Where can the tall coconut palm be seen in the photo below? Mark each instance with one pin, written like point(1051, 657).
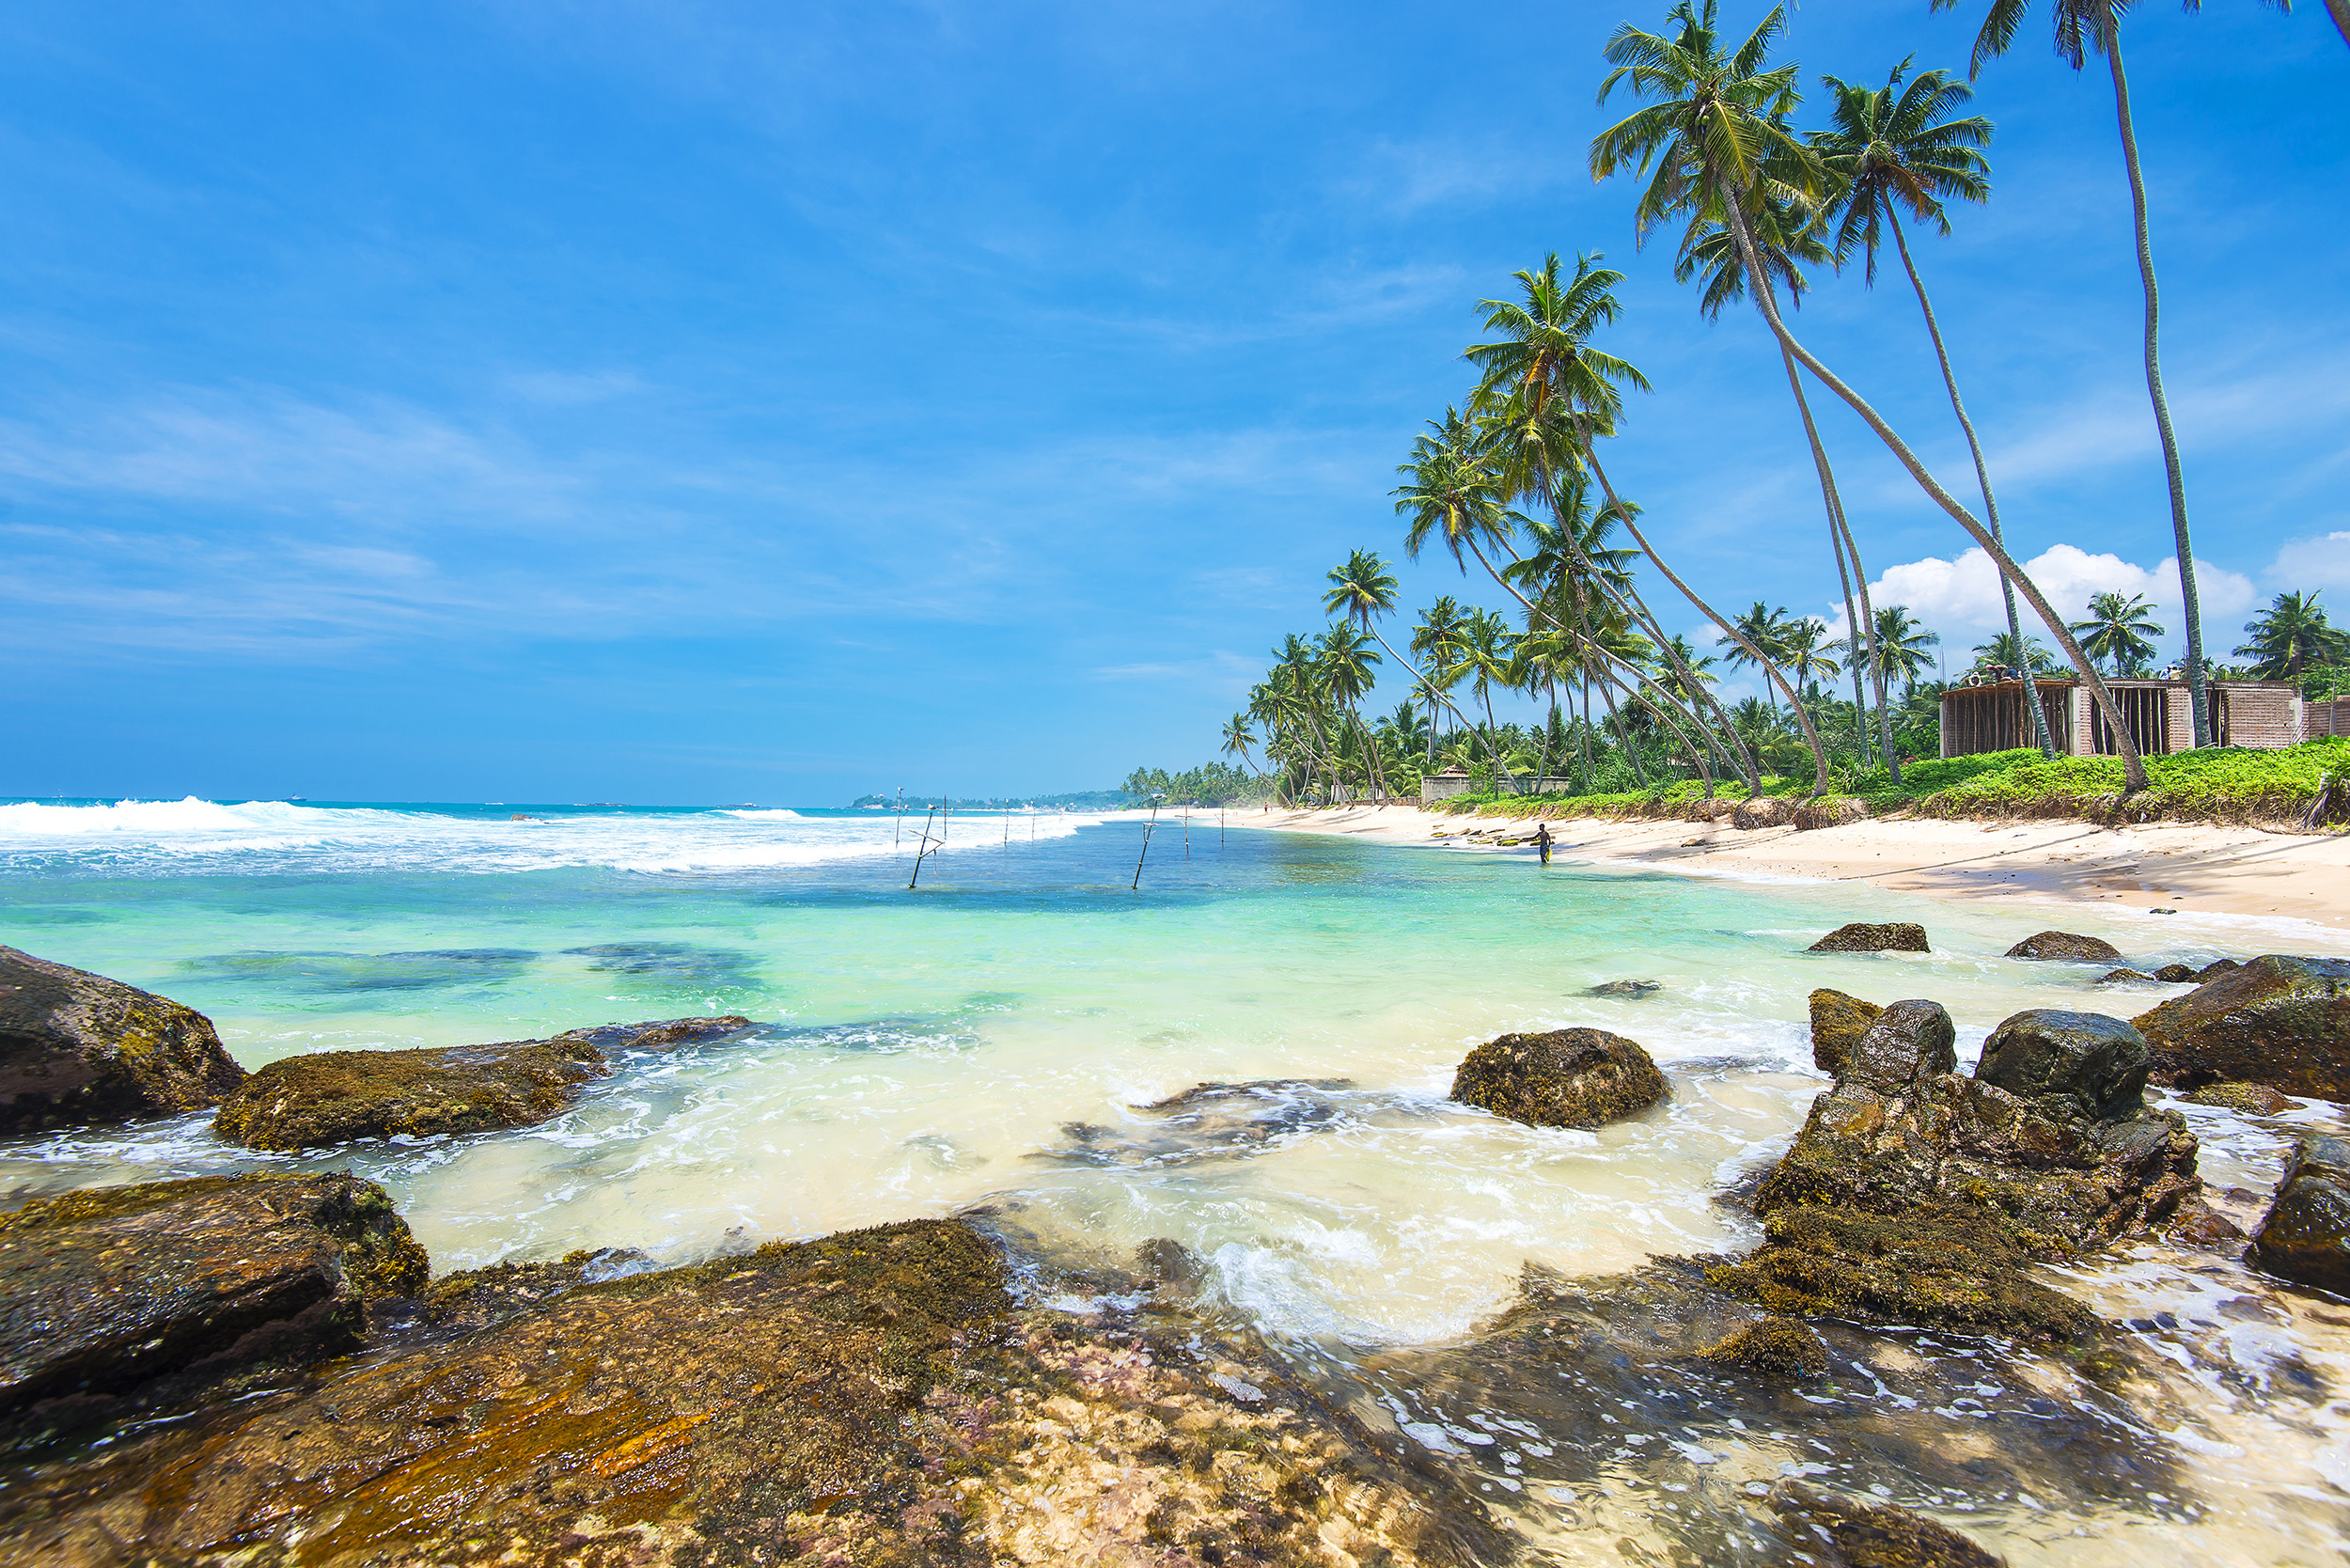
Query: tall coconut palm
point(1238, 738)
point(1805, 656)
point(2081, 28)
point(2121, 627)
point(1715, 133)
point(2008, 652)
point(1346, 660)
point(1541, 362)
point(2289, 636)
point(1902, 643)
point(1892, 147)
point(1362, 589)
point(1441, 638)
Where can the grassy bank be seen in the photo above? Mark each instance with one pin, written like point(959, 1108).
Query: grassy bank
point(2225, 784)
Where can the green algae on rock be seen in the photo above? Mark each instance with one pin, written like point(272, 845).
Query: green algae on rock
point(1837, 1022)
point(1781, 1348)
point(1848, 1532)
point(2249, 1099)
point(106, 1290)
point(77, 1048)
point(1565, 1078)
point(2279, 1020)
point(2065, 946)
point(2305, 1234)
point(1898, 936)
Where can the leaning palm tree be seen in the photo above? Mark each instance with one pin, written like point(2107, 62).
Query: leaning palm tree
point(1238, 738)
point(1715, 133)
point(2289, 636)
point(2083, 27)
point(1902, 643)
point(1804, 655)
point(1893, 148)
point(1362, 589)
point(2121, 627)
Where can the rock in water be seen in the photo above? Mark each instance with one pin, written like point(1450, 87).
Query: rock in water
point(336, 1096)
point(2128, 977)
point(2063, 946)
point(2100, 1062)
point(1901, 1129)
point(1566, 1079)
point(2251, 1099)
point(2179, 974)
point(2277, 1020)
point(2306, 1235)
point(2212, 970)
point(1625, 988)
point(106, 1289)
point(1777, 1348)
point(77, 1048)
point(1846, 1533)
point(1900, 936)
point(1837, 1022)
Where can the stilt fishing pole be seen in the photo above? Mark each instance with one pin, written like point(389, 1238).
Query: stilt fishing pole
point(897, 825)
point(1148, 829)
point(1186, 832)
point(925, 851)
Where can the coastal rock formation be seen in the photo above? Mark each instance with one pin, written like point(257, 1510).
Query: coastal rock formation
point(332, 1097)
point(1829, 811)
point(2251, 1099)
point(1837, 1022)
point(77, 1048)
point(1847, 1532)
point(1625, 988)
point(873, 1398)
point(2128, 977)
point(2280, 1021)
point(2065, 946)
point(104, 1289)
point(1780, 1349)
point(1899, 936)
point(2305, 1235)
point(2175, 974)
point(1565, 1078)
point(2051, 1132)
point(1763, 811)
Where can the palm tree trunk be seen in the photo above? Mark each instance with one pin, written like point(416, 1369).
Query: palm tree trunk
point(1770, 670)
point(1834, 505)
point(1982, 470)
point(1876, 665)
point(2132, 765)
point(2191, 601)
point(2340, 10)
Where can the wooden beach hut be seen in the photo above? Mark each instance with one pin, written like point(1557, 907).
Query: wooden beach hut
point(1992, 715)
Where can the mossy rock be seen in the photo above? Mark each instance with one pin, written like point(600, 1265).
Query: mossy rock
point(1837, 1022)
point(2304, 1235)
point(2279, 1020)
point(331, 1097)
point(77, 1048)
point(1778, 1349)
point(1848, 1532)
point(1896, 936)
point(1565, 1078)
point(2247, 1099)
point(1941, 1265)
point(2065, 946)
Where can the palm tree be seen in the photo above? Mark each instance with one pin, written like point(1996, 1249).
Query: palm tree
point(2005, 649)
point(1805, 655)
point(1362, 589)
point(1238, 739)
point(2289, 636)
point(1901, 644)
point(1891, 148)
point(2083, 27)
point(2118, 628)
point(1346, 660)
point(1758, 635)
point(1715, 133)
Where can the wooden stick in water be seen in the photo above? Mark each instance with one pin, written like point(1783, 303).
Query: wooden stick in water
point(1148, 829)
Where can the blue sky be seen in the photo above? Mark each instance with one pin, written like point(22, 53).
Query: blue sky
point(692, 402)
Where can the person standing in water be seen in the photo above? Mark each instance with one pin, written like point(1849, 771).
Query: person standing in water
point(1541, 841)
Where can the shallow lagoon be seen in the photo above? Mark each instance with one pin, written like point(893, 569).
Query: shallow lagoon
point(994, 1037)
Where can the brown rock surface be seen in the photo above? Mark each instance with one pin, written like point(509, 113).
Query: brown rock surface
point(1837, 1022)
point(1900, 936)
point(2250, 1099)
point(2065, 946)
point(2305, 1234)
point(77, 1048)
point(1848, 1532)
point(1565, 1078)
point(2279, 1020)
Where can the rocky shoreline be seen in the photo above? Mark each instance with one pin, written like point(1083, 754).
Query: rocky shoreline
point(260, 1370)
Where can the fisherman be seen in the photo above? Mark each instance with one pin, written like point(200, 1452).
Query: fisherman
point(1541, 841)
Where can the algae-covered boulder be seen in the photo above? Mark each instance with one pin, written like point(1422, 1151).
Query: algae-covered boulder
point(2250, 1099)
point(336, 1096)
point(1565, 1078)
point(2178, 973)
point(1908, 1040)
point(2099, 1062)
point(660, 1034)
point(2128, 977)
point(77, 1048)
point(1776, 1348)
point(2277, 1020)
point(1898, 936)
point(2305, 1235)
point(1854, 1532)
point(109, 1288)
point(2065, 946)
point(1625, 990)
point(1764, 811)
point(875, 1398)
point(1837, 1022)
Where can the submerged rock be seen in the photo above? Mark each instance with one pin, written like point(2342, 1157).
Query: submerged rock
point(2250, 1099)
point(2051, 1132)
point(2277, 1020)
point(874, 1398)
point(1837, 1022)
point(2305, 1235)
point(1625, 988)
point(1780, 1349)
point(106, 1290)
point(2063, 946)
point(2128, 977)
point(1846, 1533)
point(1900, 936)
point(1565, 1078)
point(77, 1048)
point(2176, 974)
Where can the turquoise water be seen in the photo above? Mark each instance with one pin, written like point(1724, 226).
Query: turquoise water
point(992, 1036)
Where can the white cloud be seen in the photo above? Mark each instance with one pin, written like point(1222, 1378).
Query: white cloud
point(1961, 598)
point(2306, 564)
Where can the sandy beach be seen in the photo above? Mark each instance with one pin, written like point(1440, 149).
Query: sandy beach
point(2195, 868)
